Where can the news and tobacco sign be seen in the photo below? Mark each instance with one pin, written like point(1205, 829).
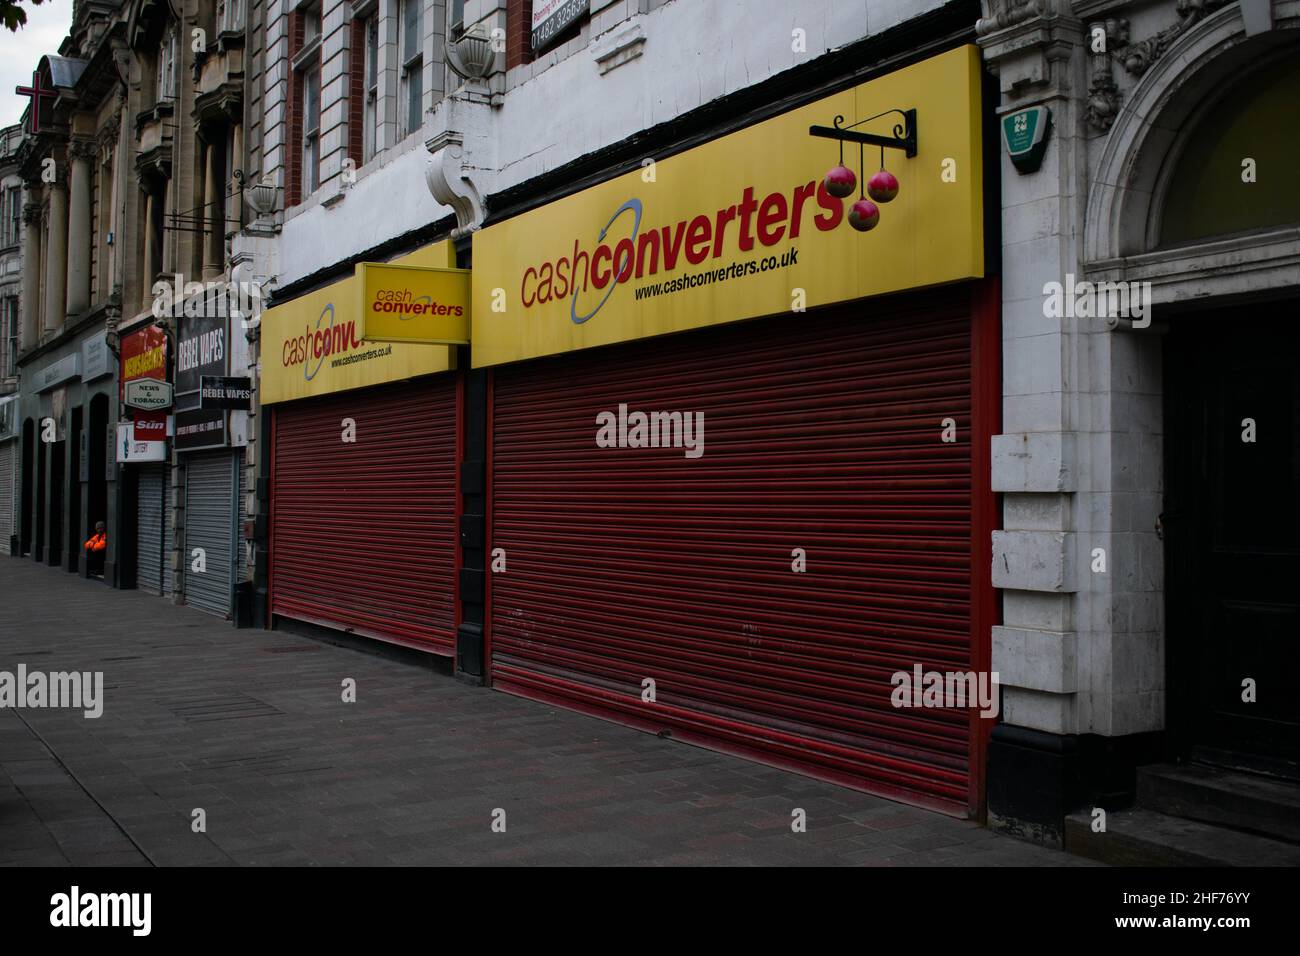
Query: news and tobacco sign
point(223, 391)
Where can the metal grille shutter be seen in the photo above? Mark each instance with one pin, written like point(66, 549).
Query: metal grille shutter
point(363, 534)
point(210, 525)
point(151, 500)
point(7, 457)
point(821, 433)
point(169, 531)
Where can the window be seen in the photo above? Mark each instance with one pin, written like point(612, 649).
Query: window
point(230, 16)
point(9, 337)
point(412, 79)
point(311, 129)
point(166, 79)
point(304, 177)
point(11, 208)
point(457, 19)
point(370, 120)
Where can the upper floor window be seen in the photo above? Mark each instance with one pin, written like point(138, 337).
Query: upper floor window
point(11, 209)
point(307, 68)
point(230, 16)
point(410, 45)
point(166, 79)
point(456, 19)
point(9, 337)
point(370, 119)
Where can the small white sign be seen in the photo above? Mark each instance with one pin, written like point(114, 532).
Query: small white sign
point(130, 450)
point(147, 393)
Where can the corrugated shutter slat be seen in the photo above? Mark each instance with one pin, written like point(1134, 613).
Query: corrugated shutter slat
point(364, 533)
point(820, 433)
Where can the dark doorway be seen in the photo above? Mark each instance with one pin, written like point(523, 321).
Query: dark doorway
point(58, 479)
point(27, 480)
point(76, 475)
point(99, 446)
point(1232, 536)
point(42, 516)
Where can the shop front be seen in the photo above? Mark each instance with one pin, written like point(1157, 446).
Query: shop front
point(64, 485)
point(210, 435)
point(738, 455)
point(363, 470)
point(143, 451)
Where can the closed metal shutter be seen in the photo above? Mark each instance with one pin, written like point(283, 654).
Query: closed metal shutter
point(822, 433)
point(151, 501)
point(210, 525)
point(7, 457)
point(363, 534)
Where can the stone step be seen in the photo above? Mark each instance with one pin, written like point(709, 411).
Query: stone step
point(1242, 801)
point(1141, 837)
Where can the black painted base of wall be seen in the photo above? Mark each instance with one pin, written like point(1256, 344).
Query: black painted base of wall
point(469, 653)
point(1035, 779)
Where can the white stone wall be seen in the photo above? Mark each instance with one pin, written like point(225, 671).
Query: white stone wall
point(669, 58)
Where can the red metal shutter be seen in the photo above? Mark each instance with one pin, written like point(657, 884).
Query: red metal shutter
point(363, 534)
point(822, 432)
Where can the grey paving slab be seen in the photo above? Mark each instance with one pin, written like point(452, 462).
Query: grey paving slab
point(249, 727)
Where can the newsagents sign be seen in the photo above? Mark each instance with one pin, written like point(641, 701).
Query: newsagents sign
point(740, 227)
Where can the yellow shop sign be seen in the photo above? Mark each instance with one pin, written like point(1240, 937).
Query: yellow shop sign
point(413, 304)
point(313, 345)
point(742, 226)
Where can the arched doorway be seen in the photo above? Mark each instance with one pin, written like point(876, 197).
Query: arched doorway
point(1195, 194)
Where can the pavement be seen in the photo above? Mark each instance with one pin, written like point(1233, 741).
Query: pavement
point(219, 746)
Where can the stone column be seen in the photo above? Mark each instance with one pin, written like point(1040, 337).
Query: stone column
point(214, 238)
point(31, 302)
point(79, 198)
point(146, 266)
point(56, 260)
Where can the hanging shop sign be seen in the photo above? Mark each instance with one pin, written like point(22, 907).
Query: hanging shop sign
point(131, 450)
point(741, 227)
point(233, 392)
point(313, 345)
point(149, 426)
point(143, 377)
point(147, 393)
point(413, 304)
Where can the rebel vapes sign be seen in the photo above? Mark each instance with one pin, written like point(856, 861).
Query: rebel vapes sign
point(202, 350)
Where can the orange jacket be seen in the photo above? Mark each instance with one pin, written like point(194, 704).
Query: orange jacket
point(98, 543)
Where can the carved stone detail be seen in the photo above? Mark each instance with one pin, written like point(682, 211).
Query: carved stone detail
point(449, 181)
point(1138, 57)
point(1007, 13)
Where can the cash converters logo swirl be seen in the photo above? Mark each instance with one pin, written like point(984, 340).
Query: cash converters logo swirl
point(317, 344)
point(622, 262)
